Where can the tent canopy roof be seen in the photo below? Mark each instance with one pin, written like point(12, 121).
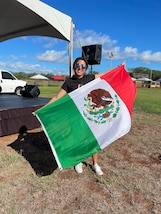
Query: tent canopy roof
point(59, 78)
point(133, 78)
point(39, 77)
point(145, 79)
point(32, 17)
point(158, 80)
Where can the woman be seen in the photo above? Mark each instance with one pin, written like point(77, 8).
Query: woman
point(79, 78)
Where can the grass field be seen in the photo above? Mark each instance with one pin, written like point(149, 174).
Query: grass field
point(148, 100)
point(48, 91)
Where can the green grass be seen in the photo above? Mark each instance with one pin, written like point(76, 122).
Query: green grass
point(48, 91)
point(148, 100)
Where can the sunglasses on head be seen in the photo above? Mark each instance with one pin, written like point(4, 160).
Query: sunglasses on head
point(80, 65)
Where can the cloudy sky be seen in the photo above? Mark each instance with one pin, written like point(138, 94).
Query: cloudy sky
point(130, 29)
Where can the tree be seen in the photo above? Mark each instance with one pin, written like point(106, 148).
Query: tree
point(144, 72)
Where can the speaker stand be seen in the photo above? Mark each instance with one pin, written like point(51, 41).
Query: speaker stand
point(91, 70)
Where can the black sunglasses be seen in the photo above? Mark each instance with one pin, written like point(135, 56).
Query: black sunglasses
point(80, 65)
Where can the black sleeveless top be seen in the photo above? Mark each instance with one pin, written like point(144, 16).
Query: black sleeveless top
point(73, 83)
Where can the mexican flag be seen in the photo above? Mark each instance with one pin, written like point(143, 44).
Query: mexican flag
point(90, 118)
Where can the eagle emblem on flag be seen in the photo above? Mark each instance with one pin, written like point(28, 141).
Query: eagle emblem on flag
point(100, 106)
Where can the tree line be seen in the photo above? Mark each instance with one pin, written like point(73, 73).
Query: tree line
point(144, 72)
point(134, 72)
point(25, 76)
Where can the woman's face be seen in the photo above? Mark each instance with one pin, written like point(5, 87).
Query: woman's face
point(80, 68)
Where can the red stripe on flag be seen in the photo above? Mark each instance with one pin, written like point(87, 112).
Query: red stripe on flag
point(121, 82)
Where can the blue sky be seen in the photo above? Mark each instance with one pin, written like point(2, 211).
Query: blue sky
point(130, 29)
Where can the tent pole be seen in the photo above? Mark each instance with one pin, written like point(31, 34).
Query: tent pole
point(71, 50)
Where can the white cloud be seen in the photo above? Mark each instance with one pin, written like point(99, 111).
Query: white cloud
point(148, 56)
point(90, 37)
point(23, 66)
point(127, 52)
point(2, 64)
point(47, 42)
point(20, 66)
point(24, 38)
point(53, 56)
point(24, 56)
point(12, 57)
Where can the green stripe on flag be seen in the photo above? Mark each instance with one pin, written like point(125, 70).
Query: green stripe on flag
point(68, 132)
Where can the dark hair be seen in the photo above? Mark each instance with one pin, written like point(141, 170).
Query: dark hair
point(80, 58)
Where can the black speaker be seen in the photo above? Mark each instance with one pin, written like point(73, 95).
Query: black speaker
point(30, 91)
point(92, 53)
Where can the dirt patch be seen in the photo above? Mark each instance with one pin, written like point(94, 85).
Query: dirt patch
point(30, 181)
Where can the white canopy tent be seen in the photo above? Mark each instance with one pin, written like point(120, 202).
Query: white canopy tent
point(144, 79)
point(158, 80)
point(33, 17)
point(39, 77)
point(134, 79)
